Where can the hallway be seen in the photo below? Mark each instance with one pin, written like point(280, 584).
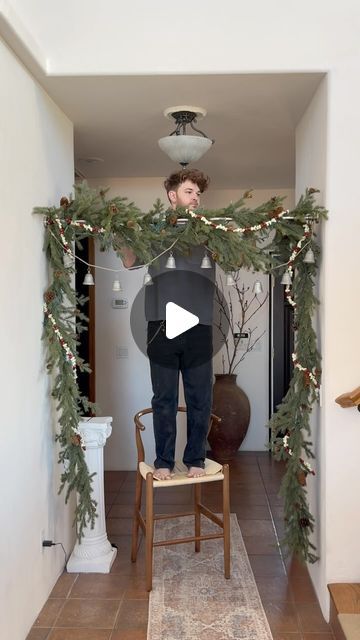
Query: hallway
point(114, 606)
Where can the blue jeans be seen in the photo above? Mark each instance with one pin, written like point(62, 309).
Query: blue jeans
point(190, 353)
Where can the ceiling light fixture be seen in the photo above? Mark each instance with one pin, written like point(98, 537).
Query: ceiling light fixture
point(180, 146)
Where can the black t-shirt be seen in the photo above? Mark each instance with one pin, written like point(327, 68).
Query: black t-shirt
point(188, 286)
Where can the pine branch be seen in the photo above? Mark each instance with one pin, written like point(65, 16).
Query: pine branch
point(116, 222)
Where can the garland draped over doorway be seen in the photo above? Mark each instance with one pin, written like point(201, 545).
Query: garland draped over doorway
point(266, 238)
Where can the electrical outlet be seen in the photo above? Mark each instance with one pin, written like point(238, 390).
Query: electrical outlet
point(42, 538)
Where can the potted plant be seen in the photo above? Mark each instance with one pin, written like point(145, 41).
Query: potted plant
point(235, 323)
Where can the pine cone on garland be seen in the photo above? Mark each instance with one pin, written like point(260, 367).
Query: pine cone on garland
point(64, 202)
point(172, 219)
point(76, 440)
point(304, 522)
point(301, 477)
point(49, 296)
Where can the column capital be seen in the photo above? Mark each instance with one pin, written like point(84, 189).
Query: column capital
point(95, 431)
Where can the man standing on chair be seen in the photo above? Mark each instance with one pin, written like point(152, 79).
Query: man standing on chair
point(192, 288)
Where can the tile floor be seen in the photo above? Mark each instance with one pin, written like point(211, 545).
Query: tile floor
point(114, 606)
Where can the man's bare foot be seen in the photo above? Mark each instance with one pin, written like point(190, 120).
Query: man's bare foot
point(162, 474)
point(195, 472)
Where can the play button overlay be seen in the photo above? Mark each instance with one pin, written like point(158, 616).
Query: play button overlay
point(179, 299)
point(178, 320)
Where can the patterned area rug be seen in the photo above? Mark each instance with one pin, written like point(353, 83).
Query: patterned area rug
point(191, 600)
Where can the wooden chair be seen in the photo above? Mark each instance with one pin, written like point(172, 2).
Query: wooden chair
point(215, 472)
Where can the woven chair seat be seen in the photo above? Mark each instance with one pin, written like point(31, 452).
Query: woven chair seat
point(213, 472)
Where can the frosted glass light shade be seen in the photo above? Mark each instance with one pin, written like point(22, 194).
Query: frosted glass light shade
point(185, 149)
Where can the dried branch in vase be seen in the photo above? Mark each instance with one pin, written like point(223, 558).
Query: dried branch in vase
point(236, 311)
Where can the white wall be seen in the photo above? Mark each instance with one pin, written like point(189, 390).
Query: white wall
point(327, 147)
point(340, 322)
point(311, 171)
point(203, 37)
point(36, 168)
point(123, 384)
point(234, 37)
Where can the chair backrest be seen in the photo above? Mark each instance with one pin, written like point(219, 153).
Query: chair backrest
point(139, 427)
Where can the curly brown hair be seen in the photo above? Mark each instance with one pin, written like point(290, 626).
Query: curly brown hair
point(194, 175)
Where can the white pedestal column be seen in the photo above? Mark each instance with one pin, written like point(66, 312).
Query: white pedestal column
point(95, 553)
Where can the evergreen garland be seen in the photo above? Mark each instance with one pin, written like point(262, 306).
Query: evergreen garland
point(117, 222)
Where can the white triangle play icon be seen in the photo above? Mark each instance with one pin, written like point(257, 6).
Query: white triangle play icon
point(178, 320)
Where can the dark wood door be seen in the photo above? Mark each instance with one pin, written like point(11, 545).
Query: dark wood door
point(281, 343)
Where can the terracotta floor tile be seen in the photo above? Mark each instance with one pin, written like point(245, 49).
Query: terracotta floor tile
point(253, 482)
point(113, 480)
point(179, 496)
point(64, 585)
point(256, 527)
point(125, 497)
point(98, 602)
point(120, 511)
point(281, 616)
point(247, 474)
point(136, 588)
point(255, 499)
point(181, 508)
point(254, 512)
point(311, 617)
point(123, 542)
point(49, 612)
point(119, 526)
point(295, 568)
point(261, 545)
point(302, 589)
point(110, 586)
point(97, 614)
point(38, 633)
point(125, 567)
point(287, 636)
point(237, 490)
point(277, 512)
point(266, 566)
point(129, 634)
point(275, 499)
point(272, 590)
point(80, 634)
point(133, 614)
point(318, 636)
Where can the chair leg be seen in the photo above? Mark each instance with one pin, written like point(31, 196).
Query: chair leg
point(137, 508)
point(197, 500)
point(226, 520)
point(149, 533)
